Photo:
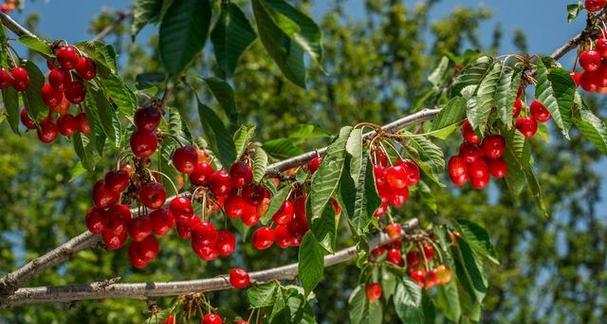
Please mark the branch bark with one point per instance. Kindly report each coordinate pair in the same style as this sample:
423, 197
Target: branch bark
145, 290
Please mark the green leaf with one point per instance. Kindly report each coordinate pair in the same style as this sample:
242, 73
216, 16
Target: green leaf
325, 229
231, 36
325, 180
262, 295
145, 12
354, 147
437, 77
11, 105
103, 54
428, 156
32, 99
242, 138
507, 90
217, 135
311, 262
149, 79
365, 200
408, 302
275, 204
85, 151
224, 94
183, 32
573, 9
121, 94
36, 44
468, 270
281, 148
536, 190
159, 317
486, 98
260, 164
361, 310
106, 115
515, 179
592, 128
286, 52
305, 132
447, 298
449, 117
555, 90
478, 239
473, 74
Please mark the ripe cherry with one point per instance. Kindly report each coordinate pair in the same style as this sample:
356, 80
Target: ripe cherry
393, 230
539, 112
412, 171
381, 210
380, 158
86, 68
373, 291
235, 206
185, 159
147, 118
83, 123
95, 220
431, 279
516, 108
480, 182
468, 133
57, 79
220, 183
152, 195
184, 231
239, 278
181, 209
148, 248
396, 176
594, 5
74, 91
143, 143
444, 274
21, 78
162, 221
601, 46
104, 197
418, 276
282, 237
498, 168
201, 174
590, 60
134, 258
412, 258
117, 180
48, 130
26, 120
470, 153
428, 251
250, 216
170, 319
457, 167
68, 125
527, 126
51, 96
211, 318
378, 251
112, 240
589, 81
67, 56
493, 146
6, 80
241, 174
139, 228
395, 256
576, 77
226, 243
314, 164
206, 252
120, 211
206, 232
256, 194
263, 238
285, 214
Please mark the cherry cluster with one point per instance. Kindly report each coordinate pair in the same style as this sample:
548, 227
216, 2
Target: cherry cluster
66, 125
595, 5
17, 77
144, 141
594, 63
392, 181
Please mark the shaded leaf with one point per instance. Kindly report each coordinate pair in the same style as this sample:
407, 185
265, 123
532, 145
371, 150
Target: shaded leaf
408, 301
260, 164
473, 74
242, 138
224, 94
32, 99
478, 239
428, 156
217, 135
275, 204
11, 106
281, 148
311, 262
145, 12
262, 295
149, 79
593, 129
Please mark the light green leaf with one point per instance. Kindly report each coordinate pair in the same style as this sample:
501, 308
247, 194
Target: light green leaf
428, 156
360, 310
36, 44
304, 132
217, 135
366, 200
592, 128
103, 54
469, 271
183, 32
281, 148
106, 114
473, 74
32, 99
85, 151
262, 295
507, 90
118, 91
311, 262
11, 106
573, 9
354, 147
231, 36
408, 302
478, 239
275, 204
260, 164
437, 77
486, 98
242, 138
449, 117
555, 90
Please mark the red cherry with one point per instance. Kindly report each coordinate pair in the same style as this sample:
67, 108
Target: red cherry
576, 78
460, 180
498, 168
381, 209
211, 318
378, 251
479, 169
241, 174
26, 120
250, 216
428, 251
143, 143
380, 158
413, 259
103, 197
201, 174
539, 112
117, 180
285, 214
121, 211
527, 126
67, 56
226, 242
457, 167
68, 125
394, 256
152, 195
242, 322
83, 123
263, 238
57, 78
206, 233
74, 92
21, 78
148, 248
185, 159
481, 182
184, 231
468, 133
418, 276
235, 206
494, 146
516, 108
206, 252
373, 291
86, 68
590, 60
6, 80
282, 237
594, 5
239, 278
112, 240
48, 130
51, 96
139, 228
601, 46
255, 194
470, 153
412, 172
431, 279
181, 209
134, 258
147, 119
95, 220
170, 319
162, 221
396, 176
220, 183
589, 81
399, 197
314, 164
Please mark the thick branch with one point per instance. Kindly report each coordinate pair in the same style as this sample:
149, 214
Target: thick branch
144, 290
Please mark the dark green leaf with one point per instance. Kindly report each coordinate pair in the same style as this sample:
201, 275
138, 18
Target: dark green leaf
149, 79
32, 99
468, 270
183, 32
573, 9
262, 295
275, 204
217, 135
366, 200
106, 114
555, 90
36, 44
408, 301
11, 105
103, 54
478, 239
311, 262
281, 148
231, 36
145, 12
325, 229
486, 98
85, 151
118, 91
224, 94
449, 118
359, 307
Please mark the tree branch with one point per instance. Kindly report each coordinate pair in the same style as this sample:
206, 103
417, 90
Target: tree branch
145, 290
121, 16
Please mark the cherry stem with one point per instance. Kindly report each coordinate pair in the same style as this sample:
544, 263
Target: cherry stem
421, 250
166, 177
436, 248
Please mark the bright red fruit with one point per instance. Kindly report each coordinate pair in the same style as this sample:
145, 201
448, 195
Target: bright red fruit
134, 258
539, 112
480, 182
57, 79
263, 238
51, 96
148, 248
412, 258
380, 158
185, 159
211, 318
393, 230
117, 180
428, 251
396, 176
120, 211
589, 81
74, 91
162, 221
226, 242
479, 169
201, 174
412, 172
314, 164
250, 216
516, 108
431, 279
468, 133
169, 320
285, 214
207, 233
470, 153
21, 78
112, 240
590, 61
395, 256
26, 120
103, 197
48, 130
83, 123
143, 143
601, 46
576, 78
282, 237
241, 174
493, 146
418, 276
6, 80
147, 119
239, 278
498, 168
220, 183
373, 291
527, 126
594, 5
95, 220
139, 228
152, 195
457, 167
184, 232
67, 56
68, 125
86, 68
